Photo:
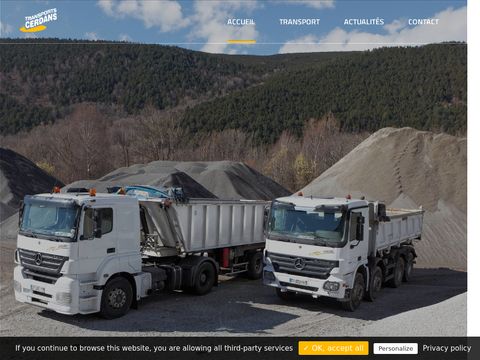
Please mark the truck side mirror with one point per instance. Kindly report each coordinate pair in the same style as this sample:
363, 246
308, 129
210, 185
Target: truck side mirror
97, 233
20, 213
360, 224
356, 226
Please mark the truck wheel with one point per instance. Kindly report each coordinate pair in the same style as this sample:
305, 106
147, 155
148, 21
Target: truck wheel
116, 298
396, 281
376, 281
285, 295
204, 279
407, 274
255, 265
356, 295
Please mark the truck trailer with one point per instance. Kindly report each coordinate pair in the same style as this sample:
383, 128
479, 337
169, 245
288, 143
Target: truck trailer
341, 248
87, 253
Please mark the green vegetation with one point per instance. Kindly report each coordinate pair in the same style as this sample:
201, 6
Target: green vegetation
16, 116
421, 87
42, 78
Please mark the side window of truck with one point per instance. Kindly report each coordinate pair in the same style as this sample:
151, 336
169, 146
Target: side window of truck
97, 218
356, 226
106, 219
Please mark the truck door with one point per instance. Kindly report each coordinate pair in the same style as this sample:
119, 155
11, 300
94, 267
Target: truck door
98, 239
357, 246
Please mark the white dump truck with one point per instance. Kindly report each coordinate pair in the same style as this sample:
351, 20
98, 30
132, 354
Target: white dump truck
86, 252
338, 247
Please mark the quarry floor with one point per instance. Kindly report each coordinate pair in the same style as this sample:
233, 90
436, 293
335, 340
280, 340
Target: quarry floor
432, 304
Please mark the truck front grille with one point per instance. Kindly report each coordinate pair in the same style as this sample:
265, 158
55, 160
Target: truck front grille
314, 268
41, 265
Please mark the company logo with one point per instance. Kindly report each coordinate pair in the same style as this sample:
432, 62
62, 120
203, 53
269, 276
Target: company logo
299, 264
37, 22
38, 259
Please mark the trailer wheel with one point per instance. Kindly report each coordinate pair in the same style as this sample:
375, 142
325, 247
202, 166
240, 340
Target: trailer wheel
255, 265
375, 286
116, 298
407, 274
356, 295
398, 272
204, 279
285, 295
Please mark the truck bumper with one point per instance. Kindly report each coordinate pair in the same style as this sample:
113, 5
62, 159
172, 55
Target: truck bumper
305, 285
62, 297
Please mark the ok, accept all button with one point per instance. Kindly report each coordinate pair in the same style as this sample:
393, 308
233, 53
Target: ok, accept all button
333, 348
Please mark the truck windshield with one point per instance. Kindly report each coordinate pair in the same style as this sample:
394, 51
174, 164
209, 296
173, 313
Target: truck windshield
52, 220
309, 226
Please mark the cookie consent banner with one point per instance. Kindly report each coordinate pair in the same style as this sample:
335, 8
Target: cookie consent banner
237, 348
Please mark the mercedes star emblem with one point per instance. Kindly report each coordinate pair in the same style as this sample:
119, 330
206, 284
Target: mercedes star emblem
299, 263
38, 259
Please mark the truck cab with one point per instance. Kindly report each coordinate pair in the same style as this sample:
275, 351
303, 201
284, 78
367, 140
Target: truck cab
331, 247
68, 246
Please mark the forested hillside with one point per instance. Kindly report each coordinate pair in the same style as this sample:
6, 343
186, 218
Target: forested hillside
421, 87
81, 110
41, 79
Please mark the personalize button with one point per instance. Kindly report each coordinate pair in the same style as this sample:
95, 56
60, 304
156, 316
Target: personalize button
395, 348
333, 348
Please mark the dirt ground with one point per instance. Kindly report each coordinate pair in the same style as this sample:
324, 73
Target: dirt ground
433, 303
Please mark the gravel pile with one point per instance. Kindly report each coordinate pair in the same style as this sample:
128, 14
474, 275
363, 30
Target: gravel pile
222, 179
19, 177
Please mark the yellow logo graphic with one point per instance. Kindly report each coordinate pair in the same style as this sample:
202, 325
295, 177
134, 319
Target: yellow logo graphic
35, 23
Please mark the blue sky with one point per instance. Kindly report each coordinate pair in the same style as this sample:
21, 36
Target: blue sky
201, 25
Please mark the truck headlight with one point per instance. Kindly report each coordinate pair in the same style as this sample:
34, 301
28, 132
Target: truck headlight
63, 298
15, 257
17, 286
331, 286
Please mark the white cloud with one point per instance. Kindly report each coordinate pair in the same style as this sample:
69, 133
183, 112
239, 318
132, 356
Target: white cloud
316, 4
452, 27
90, 35
106, 6
395, 25
125, 37
166, 15
210, 19
5, 28
207, 20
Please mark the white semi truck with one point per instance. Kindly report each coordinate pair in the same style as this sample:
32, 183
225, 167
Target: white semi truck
338, 247
87, 253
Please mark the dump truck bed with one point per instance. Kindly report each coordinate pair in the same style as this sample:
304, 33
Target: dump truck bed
206, 224
403, 226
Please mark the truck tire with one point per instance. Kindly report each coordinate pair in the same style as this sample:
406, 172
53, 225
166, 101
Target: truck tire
285, 295
117, 298
407, 274
255, 265
204, 278
375, 286
398, 272
356, 295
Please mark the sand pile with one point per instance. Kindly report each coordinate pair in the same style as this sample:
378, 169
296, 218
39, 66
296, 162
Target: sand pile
409, 168
222, 179
19, 177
